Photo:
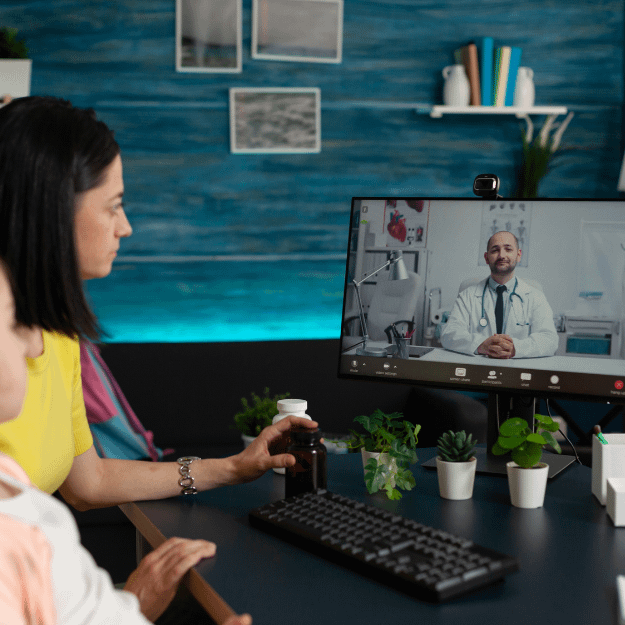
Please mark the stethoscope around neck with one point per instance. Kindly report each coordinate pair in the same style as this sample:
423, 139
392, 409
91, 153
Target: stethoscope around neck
483, 321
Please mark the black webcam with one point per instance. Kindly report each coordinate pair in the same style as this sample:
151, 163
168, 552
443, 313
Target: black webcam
486, 186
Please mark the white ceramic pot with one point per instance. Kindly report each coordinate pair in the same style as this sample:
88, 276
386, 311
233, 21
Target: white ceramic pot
247, 439
456, 479
383, 458
456, 91
15, 77
524, 90
527, 486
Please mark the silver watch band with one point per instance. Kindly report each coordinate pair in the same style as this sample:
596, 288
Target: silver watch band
186, 481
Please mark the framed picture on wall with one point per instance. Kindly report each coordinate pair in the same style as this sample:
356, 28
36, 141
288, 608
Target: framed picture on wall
275, 120
208, 36
297, 30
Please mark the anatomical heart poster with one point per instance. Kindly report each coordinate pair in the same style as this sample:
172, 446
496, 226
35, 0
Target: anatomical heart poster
406, 222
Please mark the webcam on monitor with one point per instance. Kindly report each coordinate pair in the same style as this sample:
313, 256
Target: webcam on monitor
486, 186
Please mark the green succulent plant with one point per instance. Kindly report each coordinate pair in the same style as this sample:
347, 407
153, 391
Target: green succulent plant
456, 446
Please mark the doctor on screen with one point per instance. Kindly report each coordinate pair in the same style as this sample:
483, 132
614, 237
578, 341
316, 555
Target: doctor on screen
501, 316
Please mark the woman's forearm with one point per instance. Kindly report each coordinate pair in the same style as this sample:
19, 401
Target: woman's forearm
95, 482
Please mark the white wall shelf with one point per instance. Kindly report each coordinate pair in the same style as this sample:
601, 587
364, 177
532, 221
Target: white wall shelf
520, 112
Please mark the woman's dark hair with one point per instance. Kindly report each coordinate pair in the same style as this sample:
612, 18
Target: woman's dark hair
50, 151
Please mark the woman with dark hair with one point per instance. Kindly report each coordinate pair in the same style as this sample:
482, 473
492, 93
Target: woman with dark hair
61, 221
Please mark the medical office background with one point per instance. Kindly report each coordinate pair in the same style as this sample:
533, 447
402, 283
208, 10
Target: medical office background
231, 247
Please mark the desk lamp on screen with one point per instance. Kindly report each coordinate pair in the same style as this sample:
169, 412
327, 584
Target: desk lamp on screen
562, 346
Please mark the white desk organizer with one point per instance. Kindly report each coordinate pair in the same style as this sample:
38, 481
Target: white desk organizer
615, 500
607, 461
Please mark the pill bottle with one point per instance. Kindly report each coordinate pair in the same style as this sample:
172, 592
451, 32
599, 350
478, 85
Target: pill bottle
309, 472
286, 407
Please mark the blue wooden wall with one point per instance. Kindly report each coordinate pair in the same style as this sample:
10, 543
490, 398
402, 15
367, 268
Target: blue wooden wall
188, 197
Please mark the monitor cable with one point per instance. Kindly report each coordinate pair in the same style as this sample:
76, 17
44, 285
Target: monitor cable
564, 434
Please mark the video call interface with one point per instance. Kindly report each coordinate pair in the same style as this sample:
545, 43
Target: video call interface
565, 311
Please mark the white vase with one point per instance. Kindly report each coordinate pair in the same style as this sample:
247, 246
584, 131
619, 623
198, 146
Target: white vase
524, 90
456, 479
247, 439
456, 91
15, 77
383, 458
527, 486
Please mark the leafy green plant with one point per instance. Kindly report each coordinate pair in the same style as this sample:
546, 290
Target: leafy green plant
10, 46
456, 446
392, 435
517, 438
259, 414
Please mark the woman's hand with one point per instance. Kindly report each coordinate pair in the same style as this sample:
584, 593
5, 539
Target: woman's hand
266, 451
158, 575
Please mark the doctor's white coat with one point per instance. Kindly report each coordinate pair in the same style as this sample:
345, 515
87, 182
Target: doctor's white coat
529, 322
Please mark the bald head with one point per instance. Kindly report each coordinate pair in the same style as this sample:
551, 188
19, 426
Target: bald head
502, 255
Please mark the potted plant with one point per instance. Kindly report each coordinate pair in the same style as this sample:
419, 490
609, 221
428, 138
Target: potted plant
256, 416
455, 465
387, 449
527, 475
15, 66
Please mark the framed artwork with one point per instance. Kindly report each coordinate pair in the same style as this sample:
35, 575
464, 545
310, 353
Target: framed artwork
297, 30
275, 120
208, 36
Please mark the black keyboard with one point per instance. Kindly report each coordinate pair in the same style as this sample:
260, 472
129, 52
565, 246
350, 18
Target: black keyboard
425, 562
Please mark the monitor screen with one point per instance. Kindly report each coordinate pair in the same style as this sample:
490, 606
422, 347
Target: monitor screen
420, 301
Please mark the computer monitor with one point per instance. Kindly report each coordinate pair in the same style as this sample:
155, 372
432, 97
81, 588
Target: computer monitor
564, 312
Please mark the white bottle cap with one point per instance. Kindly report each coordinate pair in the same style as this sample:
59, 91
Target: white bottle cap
292, 405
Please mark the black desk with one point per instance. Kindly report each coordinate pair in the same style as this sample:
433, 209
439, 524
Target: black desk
569, 554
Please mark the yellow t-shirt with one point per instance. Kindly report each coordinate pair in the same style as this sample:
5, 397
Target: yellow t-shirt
52, 428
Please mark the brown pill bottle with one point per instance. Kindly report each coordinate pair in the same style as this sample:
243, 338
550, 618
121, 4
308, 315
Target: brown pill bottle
309, 473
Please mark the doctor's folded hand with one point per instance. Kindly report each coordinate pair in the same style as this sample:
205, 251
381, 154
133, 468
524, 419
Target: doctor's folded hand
497, 346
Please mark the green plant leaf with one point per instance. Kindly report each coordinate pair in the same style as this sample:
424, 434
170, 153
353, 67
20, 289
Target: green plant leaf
536, 438
551, 440
376, 475
498, 450
513, 427
528, 455
510, 442
404, 479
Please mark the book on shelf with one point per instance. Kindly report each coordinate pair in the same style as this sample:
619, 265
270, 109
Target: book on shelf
485, 55
469, 54
500, 74
515, 61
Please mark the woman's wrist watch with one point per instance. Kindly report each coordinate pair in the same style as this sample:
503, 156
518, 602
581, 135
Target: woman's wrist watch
186, 481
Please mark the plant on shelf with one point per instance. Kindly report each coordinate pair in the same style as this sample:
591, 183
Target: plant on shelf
10, 46
391, 441
525, 445
258, 415
537, 154
456, 446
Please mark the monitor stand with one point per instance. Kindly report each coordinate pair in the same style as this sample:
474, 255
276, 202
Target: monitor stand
502, 406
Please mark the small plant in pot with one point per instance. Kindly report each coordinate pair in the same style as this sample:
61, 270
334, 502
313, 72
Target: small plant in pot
527, 475
387, 448
456, 464
15, 66
257, 415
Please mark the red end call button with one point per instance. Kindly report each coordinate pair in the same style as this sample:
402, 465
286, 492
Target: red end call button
618, 385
